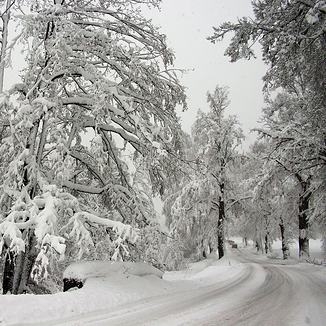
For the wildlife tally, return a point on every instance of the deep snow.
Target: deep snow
(122, 284)
(91, 269)
(243, 288)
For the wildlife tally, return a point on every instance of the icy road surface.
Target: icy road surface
(265, 292)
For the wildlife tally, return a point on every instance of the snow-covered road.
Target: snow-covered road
(265, 292)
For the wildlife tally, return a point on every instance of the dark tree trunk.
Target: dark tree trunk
(285, 246)
(220, 223)
(203, 249)
(204, 253)
(17, 271)
(8, 273)
(18, 268)
(266, 243)
(257, 246)
(303, 221)
(24, 265)
(211, 248)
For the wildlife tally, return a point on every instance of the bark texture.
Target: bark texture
(8, 273)
(285, 245)
(303, 221)
(220, 223)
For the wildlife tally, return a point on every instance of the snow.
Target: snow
(207, 271)
(90, 269)
(312, 16)
(315, 250)
(234, 290)
(110, 285)
(97, 294)
(9, 229)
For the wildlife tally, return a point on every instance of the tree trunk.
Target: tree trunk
(266, 243)
(8, 273)
(257, 245)
(285, 246)
(303, 221)
(24, 264)
(17, 276)
(220, 224)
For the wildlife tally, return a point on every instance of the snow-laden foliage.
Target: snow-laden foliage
(98, 88)
(272, 210)
(292, 37)
(297, 145)
(42, 214)
(197, 209)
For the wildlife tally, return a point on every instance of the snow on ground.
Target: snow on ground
(243, 280)
(207, 271)
(123, 283)
(315, 245)
(314, 248)
(91, 269)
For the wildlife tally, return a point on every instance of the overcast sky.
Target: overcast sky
(187, 24)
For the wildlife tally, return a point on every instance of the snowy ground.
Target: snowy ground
(242, 289)
(314, 248)
(106, 293)
(316, 254)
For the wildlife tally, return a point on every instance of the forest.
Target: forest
(90, 135)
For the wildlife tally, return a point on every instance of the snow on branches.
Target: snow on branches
(98, 92)
(292, 39)
(41, 214)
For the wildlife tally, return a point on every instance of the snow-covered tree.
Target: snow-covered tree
(216, 138)
(292, 36)
(198, 208)
(98, 86)
(275, 196)
(296, 148)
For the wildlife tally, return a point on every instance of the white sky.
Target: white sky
(187, 24)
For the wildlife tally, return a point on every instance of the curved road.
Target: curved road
(265, 293)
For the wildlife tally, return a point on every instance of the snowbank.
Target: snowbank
(109, 286)
(98, 294)
(90, 269)
(207, 271)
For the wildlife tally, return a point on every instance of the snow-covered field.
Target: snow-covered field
(243, 288)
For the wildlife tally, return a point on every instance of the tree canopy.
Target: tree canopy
(98, 89)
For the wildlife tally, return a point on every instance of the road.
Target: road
(267, 292)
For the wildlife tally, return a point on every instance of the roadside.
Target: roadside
(118, 289)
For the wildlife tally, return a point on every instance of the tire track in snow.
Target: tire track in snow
(292, 294)
(265, 292)
(149, 309)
